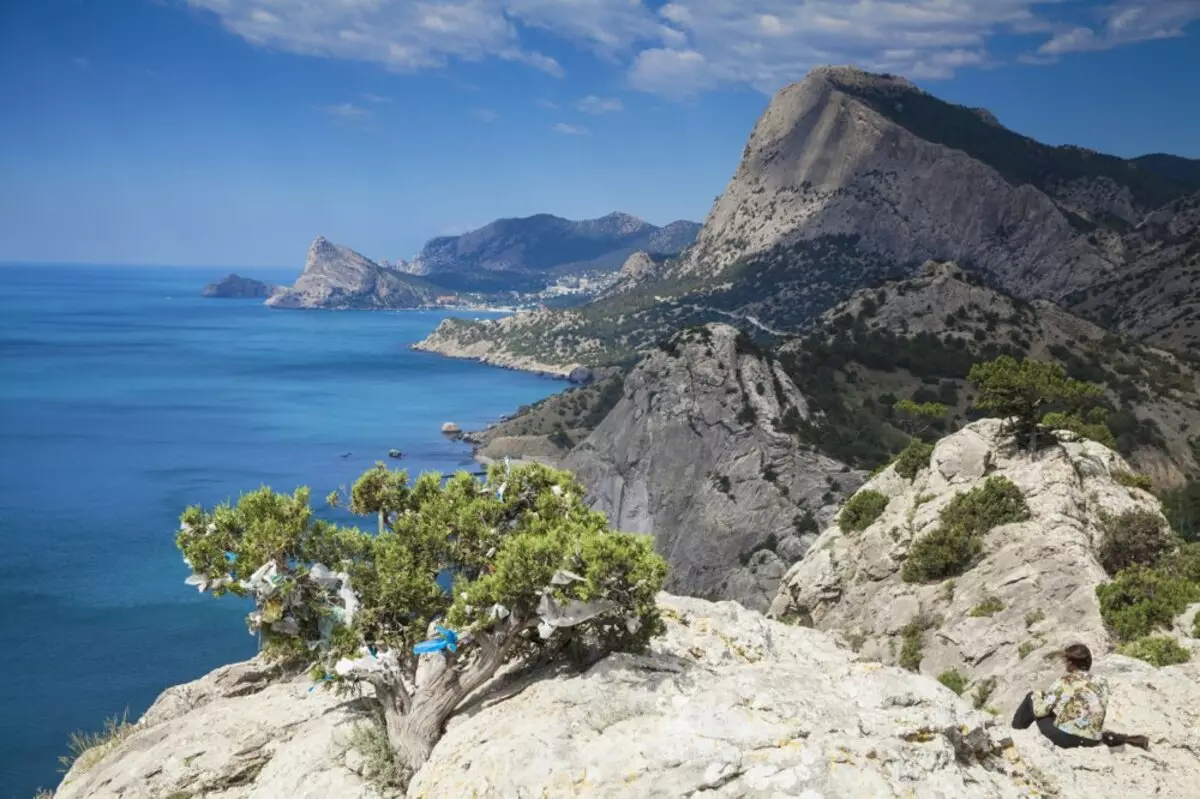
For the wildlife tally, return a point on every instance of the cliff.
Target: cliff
(237, 287)
(696, 454)
(337, 277)
(726, 704)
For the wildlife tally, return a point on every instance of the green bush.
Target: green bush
(1142, 599)
(861, 511)
(1181, 506)
(1027, 647)
(1157, 650)
(949, 550)
(1132, 479)
(1033, 617)
(983, 692)
(912, 650)
(1196, 626)
(1093, 426)
(1135, 537)
(988, 607)
(953, 680)
(913, 459)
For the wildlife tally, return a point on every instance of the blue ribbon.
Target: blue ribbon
(447, 639)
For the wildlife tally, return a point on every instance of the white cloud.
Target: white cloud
(599, 105)
(570, 130)
(550, 104)
(485, 114)
(1126, 23)
(690, 46)
(81, 62)
(346, 112)
(378, 99)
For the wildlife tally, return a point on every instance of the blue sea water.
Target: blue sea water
(125, 397)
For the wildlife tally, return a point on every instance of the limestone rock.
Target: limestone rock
(337, 277)
(694, 454)
(235, 286)
(725, 704)
(1043, 571)
(240, 732)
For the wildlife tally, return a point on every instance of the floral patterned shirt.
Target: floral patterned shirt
(1078, 701)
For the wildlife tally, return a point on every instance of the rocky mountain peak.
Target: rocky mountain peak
(338, 277)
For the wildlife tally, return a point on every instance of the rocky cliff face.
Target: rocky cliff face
(524, 253)
(1031, 593)
(238, 287)
(694, 453)
(726, 704)
(338, 277)
(499, 342)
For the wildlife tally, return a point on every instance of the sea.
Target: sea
(124, 398)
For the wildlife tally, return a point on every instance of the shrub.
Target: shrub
(805, 523)
(861, 511)
(911, 651)
(86, 749)
(1181, 506)
(1093, 426)
(953, 680)
(913, 459)
(949, 550)
(1134, 537)
(1142, 599)
(1132, 479)
(983, 692)
(1033, 617)
(988, 607)
(1157, 650)
(1027, 647)
(1196, 626)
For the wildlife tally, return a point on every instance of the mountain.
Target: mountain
(850, 178)
(697, 454)
(526, 253)
(237, 287)
(338, 277)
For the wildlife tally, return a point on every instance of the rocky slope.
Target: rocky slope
(338, 277)
(695, 454)
(523, 253)
(849, 178)
(1031, 593)
(237, 287)
(726, 704)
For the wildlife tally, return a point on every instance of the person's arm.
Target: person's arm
(1046, 702)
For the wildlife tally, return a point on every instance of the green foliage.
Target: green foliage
(1027, 647)
(1157, 650)
(1020, 393)
(913, 459)
(912, 648)
(805, 523)
(950, 549)
(86, 749)
(1181, 506)
(988, 607)
(1132, 479)
(1196, 626)
(1134, 537)
(501, 541)
(1033, 617)
(1142, 599)
(953, 680)
(1092, 426)
(917, 417)
(861, 510)
(983, 692)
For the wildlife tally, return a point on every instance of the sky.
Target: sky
(233, 132)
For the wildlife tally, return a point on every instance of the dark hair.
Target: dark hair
(1078, 656)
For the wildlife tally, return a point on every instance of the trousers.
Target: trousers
(1024, 718)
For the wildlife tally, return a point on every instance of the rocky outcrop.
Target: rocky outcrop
(637, 270)
(725, 704)
(695, 454)
(241, 288)
(524, 253)
(1031, 593)
(338, 277)
(825, 161)
(498, 342)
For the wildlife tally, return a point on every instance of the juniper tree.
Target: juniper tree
(469, 574)
(1021, 393)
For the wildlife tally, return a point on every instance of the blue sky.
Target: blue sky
(232, 132)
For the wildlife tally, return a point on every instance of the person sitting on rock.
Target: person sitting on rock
(1071, 713)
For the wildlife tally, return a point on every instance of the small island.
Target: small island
(240, 288)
